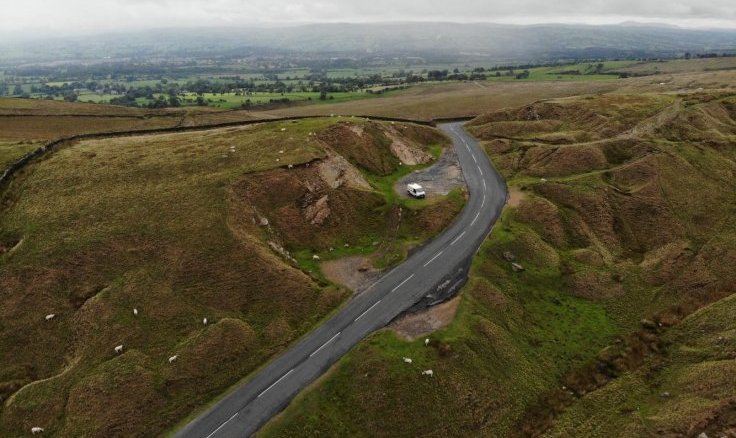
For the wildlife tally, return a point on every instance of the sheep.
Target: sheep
(135, 311)
(119, 349)
(290, 166)
(35, 430)
(204, 321)
(429, 373)
(173, 358)
(283, 129)
(315, 257)
(426, 342)
(50, 316)
(407, 360)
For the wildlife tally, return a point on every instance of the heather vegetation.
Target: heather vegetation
(134, 241)
(619, 322)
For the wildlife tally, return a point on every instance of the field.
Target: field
(173, 226)
(624, 214)
(430, 101)
(624, 224)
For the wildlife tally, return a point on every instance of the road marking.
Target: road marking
(274, 383)
(402, 283)
(475, 218)
(361, 315)
(484, 184)
(481, 172)
(457, 238)
(333, 338)
(476, 161)
(223, 424)
(484, 201)
(432, 259)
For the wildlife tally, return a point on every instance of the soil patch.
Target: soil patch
(515, 197)
(354, 272)
(414, 325)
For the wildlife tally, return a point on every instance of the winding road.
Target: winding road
(440, 264)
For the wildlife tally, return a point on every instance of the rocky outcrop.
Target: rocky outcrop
(316, 213)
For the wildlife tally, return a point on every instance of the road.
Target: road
(437, 264)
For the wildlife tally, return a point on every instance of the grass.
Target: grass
(159, 223)
(12, 151)
(596, 262)
(126, 199)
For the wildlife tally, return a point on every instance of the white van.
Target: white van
(415, 190)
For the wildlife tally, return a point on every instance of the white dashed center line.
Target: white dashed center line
(475, 219)
(282, 378)
(331, 339)
(457, 238)
(402, 283)
(222, 425)
(432, 259)
(361, 315)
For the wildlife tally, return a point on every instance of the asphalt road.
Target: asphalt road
(242, 412)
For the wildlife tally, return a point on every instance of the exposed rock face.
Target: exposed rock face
(317, 212)
(336, 171)
(407, 153)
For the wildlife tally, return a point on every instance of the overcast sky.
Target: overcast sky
(99, 16)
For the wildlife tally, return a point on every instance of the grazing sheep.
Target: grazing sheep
(429, 373)
(407, 360)
(283, 129)
(119, 349)
(135, 312)
(204, 321)
(290, 166)
(50, 316)
(173, 358)
(426, 342)
(315, 257)
(35, 430)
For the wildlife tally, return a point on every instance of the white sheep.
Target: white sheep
(50, 316)
(426, 342)
(204, 321)
(135, 312)
(173, 358)
(35, 430)
(315, 257)
(283, 129)
(119, 349)
(429, 373)
(407, 360)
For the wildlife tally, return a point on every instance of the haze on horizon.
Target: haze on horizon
(69, 17)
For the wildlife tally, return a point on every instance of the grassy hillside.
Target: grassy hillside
(173, 226)
(428, 101)
(624, 224)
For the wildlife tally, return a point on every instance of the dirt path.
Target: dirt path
(438, 179)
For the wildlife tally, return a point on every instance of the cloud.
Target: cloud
(68, 16)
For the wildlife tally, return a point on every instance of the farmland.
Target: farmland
(638, 188)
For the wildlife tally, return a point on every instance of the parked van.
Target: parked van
(415, 190)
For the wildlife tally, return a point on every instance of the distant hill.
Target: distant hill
(431, 41)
